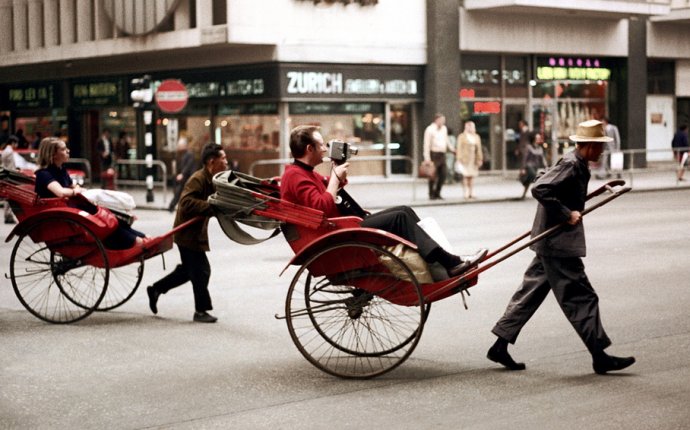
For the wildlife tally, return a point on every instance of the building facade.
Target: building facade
(372, 72)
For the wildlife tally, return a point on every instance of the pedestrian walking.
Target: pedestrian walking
(435, 148)
(532, 161)
(186, 163)
(604, 170)
(557, 266)
(681, 150)
(192, 242)
(471, 156)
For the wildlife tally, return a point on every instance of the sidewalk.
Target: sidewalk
(382, 193)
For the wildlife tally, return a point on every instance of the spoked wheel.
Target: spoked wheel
(59, 270)
(122, 285)
(340, 325)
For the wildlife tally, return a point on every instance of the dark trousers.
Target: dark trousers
(402, 221)
(194, 267)
(579, 302)
(435, 184)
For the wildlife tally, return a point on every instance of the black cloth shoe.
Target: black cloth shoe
(501, 356)
(204, 317)
(467, 263)
(153, 299)
(609, 363)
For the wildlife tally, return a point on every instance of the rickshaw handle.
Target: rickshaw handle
(473, 273)
(606, 187)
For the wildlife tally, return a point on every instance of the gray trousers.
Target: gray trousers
(567, 279)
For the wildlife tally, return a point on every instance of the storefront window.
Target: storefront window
(401, 137)
(122, 123)
(559, 106)
(250, 133)
(359, 123)
(486, 116)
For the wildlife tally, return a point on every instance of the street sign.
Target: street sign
(171, 96)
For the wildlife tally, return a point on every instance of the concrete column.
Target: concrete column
(6, 30)
(204, 13)
(103, 25)
(19, 25)
(51, 23)
(182, 18)
(442, 80)
(637, 89)
(84, 20)
(67, 22)
(35, 23)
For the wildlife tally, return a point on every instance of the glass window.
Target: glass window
(661, 77)
(250, 133)
(480, 75)
(359, 123)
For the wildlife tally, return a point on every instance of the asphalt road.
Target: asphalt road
(129, 369)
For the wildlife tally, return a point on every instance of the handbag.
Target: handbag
(459, 168)
(427, 170)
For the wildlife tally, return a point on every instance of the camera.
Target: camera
(339, 151)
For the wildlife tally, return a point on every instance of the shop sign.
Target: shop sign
(245, 87)
(248, 109)
(492, 76)
(304, 83)
(32, 96)
(346, 2)
(101, 93)
(334, 108)
(576, 69)
(234, 88)
(487, 108)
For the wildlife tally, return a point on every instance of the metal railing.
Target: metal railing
(630, 156)
(163, 174)
(87, 168)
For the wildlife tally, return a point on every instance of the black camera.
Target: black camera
(339, 151)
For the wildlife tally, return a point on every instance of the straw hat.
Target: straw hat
(590, 131)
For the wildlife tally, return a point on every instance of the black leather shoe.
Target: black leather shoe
(610, 363)
(153, 299)
(204, 317)
(502, 357)
(467, 263)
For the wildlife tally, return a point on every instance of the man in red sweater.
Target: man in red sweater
(300, 184)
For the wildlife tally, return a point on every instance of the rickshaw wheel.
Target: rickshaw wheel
(340, 326)
(52, 280)
(122, 285)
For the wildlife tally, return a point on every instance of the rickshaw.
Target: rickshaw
(357, 304)
(60, 268)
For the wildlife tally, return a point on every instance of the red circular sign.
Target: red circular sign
(171, 96)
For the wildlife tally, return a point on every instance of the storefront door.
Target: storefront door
(513, 114)
(660, 127)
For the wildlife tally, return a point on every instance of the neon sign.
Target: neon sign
(487, 107)
(578, 69)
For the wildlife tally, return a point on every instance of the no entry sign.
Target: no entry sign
(171, 96)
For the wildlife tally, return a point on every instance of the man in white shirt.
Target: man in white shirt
(435, 146)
